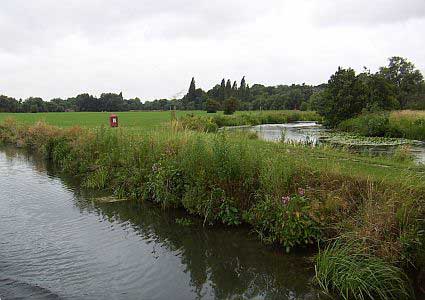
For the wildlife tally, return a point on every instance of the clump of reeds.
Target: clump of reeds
(349, 270)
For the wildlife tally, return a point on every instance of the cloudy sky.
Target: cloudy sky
(151, 48)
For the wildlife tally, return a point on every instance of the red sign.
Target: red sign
(113, 120)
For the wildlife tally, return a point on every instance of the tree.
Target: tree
(8, 104)
(222, 90)
(230, 105)
(191, 94)
(405, 77)
(212, 106)
(228, 89)
(242, 89)
(343, 97)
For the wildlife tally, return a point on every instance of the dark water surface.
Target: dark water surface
(57, 241)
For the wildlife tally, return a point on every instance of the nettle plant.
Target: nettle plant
(289, 220)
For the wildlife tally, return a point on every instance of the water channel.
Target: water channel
(60, 241)
(313, 134)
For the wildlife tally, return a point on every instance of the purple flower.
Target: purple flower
(286, 199)
(301, 191)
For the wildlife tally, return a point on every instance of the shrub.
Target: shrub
(198, 123)
(288, 221)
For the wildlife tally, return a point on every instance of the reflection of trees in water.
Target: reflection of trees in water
(231, 263)
(228, 262)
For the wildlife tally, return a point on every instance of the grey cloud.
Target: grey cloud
(367, 12)
(25, 24)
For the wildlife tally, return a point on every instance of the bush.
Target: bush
(230, 105)
(288, 221)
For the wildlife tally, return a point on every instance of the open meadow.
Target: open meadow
(137, 119)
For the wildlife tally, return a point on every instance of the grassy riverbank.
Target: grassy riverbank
(399, 124)
(290, 195)
(212, 122)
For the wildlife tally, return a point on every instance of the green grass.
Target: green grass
(149, 120)
(398, 124)
(136, 120)
(353, 273)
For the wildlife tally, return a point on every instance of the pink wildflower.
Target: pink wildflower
(286, 199)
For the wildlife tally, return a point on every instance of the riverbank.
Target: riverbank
(407, 124)
(212, 122)
(290, 195)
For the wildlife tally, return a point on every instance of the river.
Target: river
(60, 241)
(313, 134)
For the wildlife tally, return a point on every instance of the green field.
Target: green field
(136, 119)
(152, 119)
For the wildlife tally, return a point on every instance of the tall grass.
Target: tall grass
(400, 124)
(347, 268)
(211, 123)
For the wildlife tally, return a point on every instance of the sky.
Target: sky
(152, 48)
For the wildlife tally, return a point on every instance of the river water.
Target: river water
(313, 133)
(59, 241)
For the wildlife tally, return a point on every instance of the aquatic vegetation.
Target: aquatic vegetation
(184, 221)
(347, 268)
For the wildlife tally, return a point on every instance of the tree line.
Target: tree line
(82, 102)
(229, 96)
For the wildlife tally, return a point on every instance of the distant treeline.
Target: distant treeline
(396, 86)
(248, 98)
(83, 102)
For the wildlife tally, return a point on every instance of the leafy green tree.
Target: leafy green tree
(228, 89)
(191, 94)
(343, 98)
(222, 90)
(8, 104)
(230, 105)
(242, 89)
(405, 77)
(212, 106)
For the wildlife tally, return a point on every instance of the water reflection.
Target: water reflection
(312, 133)
(57, 237)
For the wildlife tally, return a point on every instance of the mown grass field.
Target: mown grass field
(136, 119)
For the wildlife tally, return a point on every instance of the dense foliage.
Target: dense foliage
(347, 95)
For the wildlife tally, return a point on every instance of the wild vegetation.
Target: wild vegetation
(399, 124)
(290, 195)
(211, 123)
(347, 95)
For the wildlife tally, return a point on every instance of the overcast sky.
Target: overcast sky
(151, 48)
